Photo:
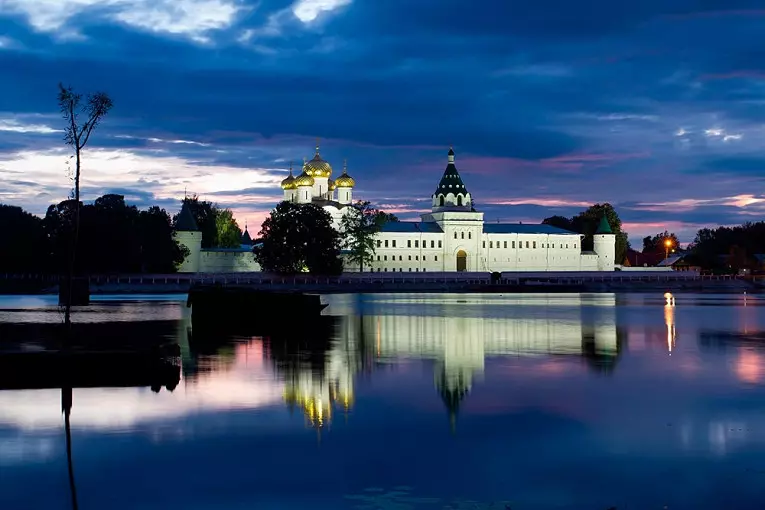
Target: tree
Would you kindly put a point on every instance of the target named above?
(218, 226)
(77, 135)
(227, 231)
(586, 223)
(729, 248)
(23, 244)
(657, 243)
(159, 251)
(358, 227)
(299, 237)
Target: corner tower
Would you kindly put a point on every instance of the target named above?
(451, 193)
(187, 234)
(604, 245)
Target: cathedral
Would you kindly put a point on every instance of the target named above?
(451, 237)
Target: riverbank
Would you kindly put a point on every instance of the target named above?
(393, 283)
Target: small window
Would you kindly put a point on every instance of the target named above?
(527, 244)
(379, 243)
(463, 235)
(400, 257)
(505, 245)
(410, 269)
(567, 246)
(416, 269)
(424, 257)
(432, 244)
(417, 244)
(424, 269)
(455, 235)
(439, 244)
(378, 257)
(535, 245)
(409, 243)
(386, 270)
(484, 244)
(520, 245)
(491, 244)
(513, 244)
(436, 257)
(470, 235)
(386, 243)
(385, 258)
(394, 243)
(416, 257)
(410, 257)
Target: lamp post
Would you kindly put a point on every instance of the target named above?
(667, 245)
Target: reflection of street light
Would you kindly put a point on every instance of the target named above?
(667, 245)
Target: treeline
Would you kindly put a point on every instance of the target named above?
(730, 248)
(114, 237)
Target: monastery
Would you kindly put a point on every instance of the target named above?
(453, 236)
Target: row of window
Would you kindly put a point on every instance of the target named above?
(529, 244)
(409, 243)
(401, 270)
(416, 257)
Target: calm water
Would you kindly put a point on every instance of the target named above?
(415, 401)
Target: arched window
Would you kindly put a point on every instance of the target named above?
(441, 201)
(459, 199)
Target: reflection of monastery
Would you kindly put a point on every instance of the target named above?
(453, 236)
(458, 334)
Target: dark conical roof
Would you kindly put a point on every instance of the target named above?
(186, 221)
(451, 182)
(604, 227)
(246, 239)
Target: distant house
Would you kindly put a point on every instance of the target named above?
(635, 258)
(680, 263)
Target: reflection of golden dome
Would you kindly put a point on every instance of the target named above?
(345, 180)
(317, 412)
(317, 167)
(304, 179)
(331, 185)
(289, 182)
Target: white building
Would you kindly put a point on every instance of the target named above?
(452, 237)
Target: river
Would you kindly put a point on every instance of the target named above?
(529, 401)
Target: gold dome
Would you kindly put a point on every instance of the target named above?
(304, 179)
(317, 167)
(289, 182)
(331, 185)
(345, 180)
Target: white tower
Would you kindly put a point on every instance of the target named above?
(304, 184)
(187, 234)
(321, 171)
(289, 187)
(345, 184)
(604, 245)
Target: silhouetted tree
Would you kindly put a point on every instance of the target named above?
(299, 237)
(729, 248)
(23, 244)
(656, 244)
(77, 134)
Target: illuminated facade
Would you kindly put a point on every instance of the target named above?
(453, 236)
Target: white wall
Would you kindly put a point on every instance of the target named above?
(227, 262)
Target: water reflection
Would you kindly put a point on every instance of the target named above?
(554, 380)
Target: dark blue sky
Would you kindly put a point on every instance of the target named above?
(656, 106)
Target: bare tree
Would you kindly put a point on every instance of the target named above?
(77, 134)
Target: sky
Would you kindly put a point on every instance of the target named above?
(655, 106)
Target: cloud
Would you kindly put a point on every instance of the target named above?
(14, 126)
(308, 10)
(192, 18)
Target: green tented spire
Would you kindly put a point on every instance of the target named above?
(604, 227)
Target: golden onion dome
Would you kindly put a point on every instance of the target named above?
(304, 179)
(345, 180)
(289, 182)
(317, 167)
(331, 185)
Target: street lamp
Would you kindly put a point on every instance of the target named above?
(667, 245)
